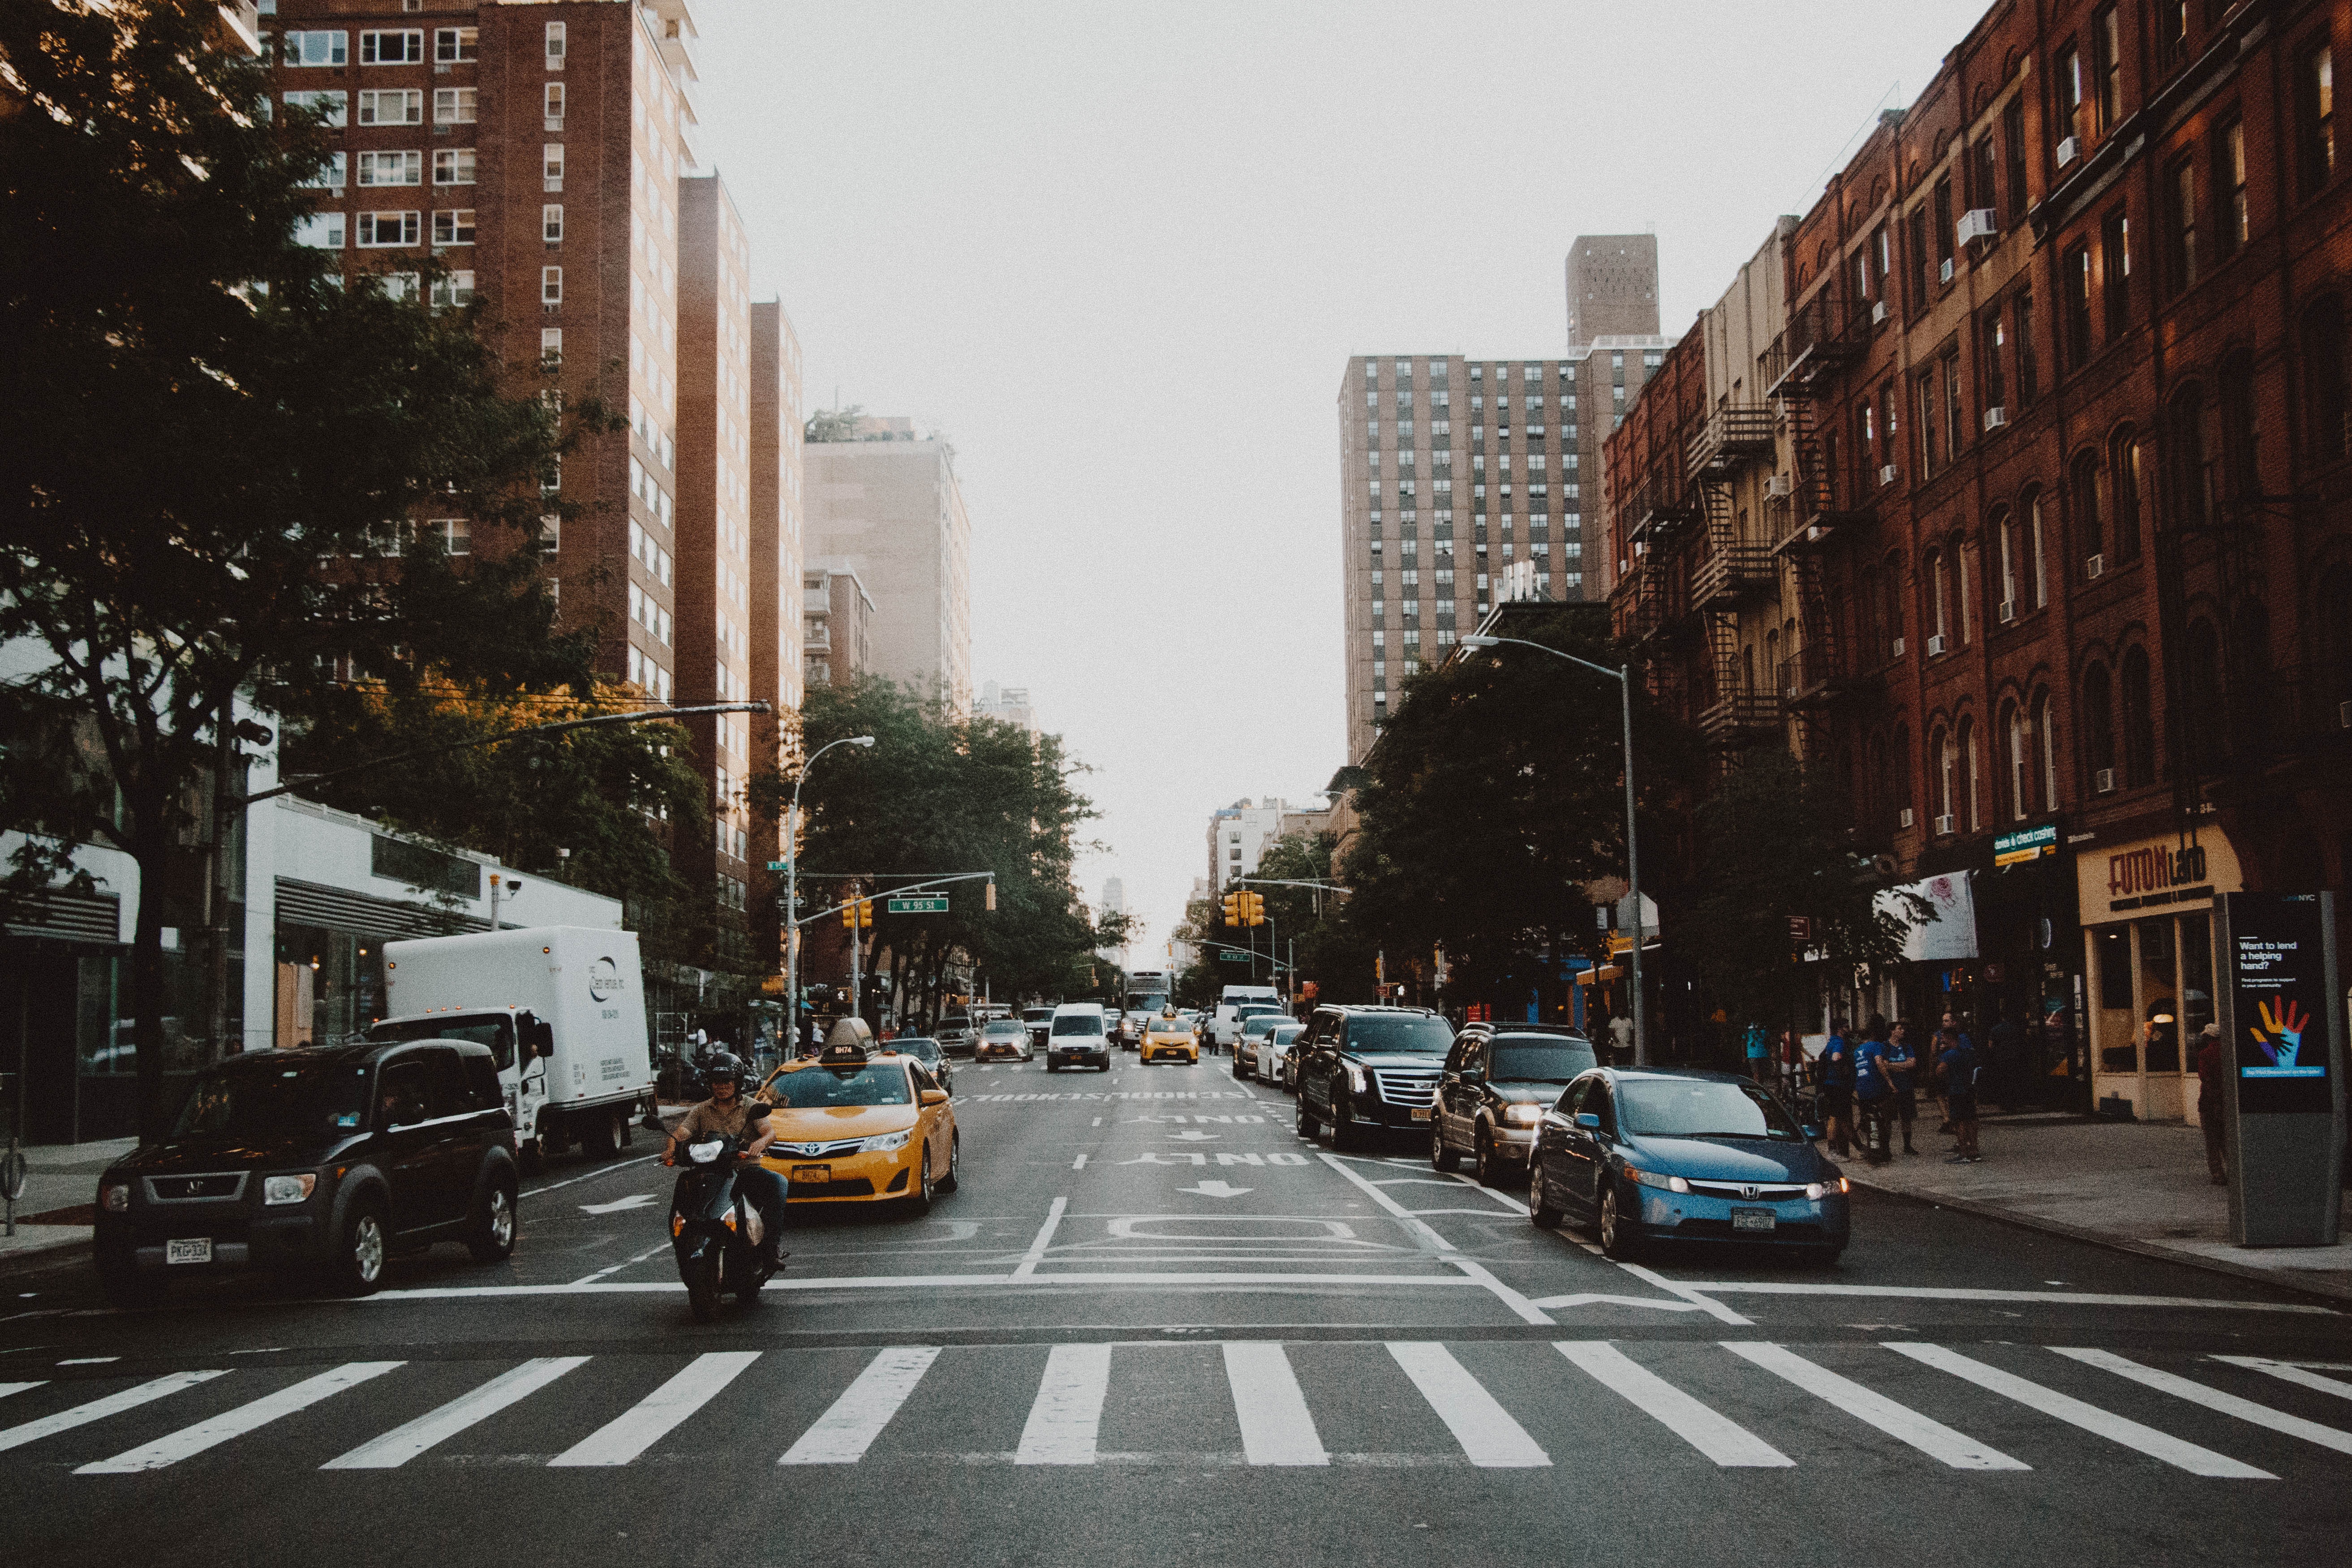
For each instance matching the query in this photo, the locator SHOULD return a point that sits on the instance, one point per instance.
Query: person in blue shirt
(1759, 1051)
(1950, 1025)
(1873, 1094)
(1956, 1068)
(1903, 1068)
(1833, 1081)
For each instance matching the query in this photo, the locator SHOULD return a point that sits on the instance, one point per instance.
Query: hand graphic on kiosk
(2287, 1023)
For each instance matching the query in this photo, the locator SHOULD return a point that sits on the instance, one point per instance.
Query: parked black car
(1370, 1070)
(1499, 1080)
(926, 1051)
(324, 1160)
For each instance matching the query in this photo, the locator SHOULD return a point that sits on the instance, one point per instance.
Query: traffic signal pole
(857, 941)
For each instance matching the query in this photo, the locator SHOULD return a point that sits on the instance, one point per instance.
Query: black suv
(1364, 1070)
(327, 1159)
(1499, 1079)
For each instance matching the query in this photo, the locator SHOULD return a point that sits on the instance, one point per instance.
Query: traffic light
(1252, 909)
(860, 913)
(1234, 909)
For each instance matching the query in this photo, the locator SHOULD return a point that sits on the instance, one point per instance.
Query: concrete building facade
(1007, 704)
(887, 507)
(837, 624)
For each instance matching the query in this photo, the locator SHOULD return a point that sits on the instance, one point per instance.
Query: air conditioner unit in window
(1898, 648)
(2008, 611)
(1944, 824)
(1996, 417)
(1780, 486)
(2069, 149)
(1906, 818)
(1887, 475)
(1935, 646)
(2093, 567)
(1977, 223)
(1943, 270)
(2102, 780)
(1877, 311)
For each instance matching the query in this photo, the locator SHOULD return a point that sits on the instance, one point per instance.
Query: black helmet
(724, 1065)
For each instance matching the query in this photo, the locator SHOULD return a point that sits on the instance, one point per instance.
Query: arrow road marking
(634, 1201)
(1194, 1135)
(1215, 1190)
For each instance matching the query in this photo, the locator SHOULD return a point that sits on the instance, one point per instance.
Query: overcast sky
(1120, 253)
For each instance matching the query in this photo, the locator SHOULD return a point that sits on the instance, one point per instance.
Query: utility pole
(857, 941)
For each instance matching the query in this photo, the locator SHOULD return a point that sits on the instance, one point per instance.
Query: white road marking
(2302, 1377)
(2213, 1398)
(1404, 1215)
(1932, 1438)
(1529, 1312)
(404, 1443)
(1216, 1189)
(1691, 1293)
(1079, 1163)
(8, 1388)
(1276, 1426)
(844, 1433)
(635, 1430)
(1488, 1435)
(1717, 1436)
(98, 1409)
(1036, 1253)
(624, 1263)
(90, 1360)
(1594, 1298)
(634, 1201)
(236, 1422)
(1484, 1190)
(1960, 1293)
(576, 1181)
(2100, 1423)
(1068, 1411)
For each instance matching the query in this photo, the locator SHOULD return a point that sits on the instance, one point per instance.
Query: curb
(42, 1249)
(2279, 1279)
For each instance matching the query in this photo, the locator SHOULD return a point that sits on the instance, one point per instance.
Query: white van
(1077, 1036)
(561, 1007)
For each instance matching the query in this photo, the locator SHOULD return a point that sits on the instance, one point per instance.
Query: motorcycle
(715, 1231)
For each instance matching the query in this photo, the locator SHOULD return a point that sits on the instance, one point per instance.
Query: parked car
(1267, 1061)
(1038, 1021)
(1001, 1040)
(1256, 1029)
(956, 1034)
(1369, 1071)
(323, 1161)
(1499, 1080)
(926, 1050)
(1679, 1154)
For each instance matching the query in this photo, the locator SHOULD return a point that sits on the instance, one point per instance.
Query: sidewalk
(60, 1183)
(2138, 1186)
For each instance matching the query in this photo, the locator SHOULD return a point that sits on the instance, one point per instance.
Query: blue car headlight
(1820, 1190)
(1657, 1179)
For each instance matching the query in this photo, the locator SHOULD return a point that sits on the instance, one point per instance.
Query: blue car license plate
(1754, 1219)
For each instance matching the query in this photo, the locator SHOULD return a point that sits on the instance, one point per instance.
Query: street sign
(1230, 956)
(1801, 929)
(775, 865)
(920, 904)
(2026, 844)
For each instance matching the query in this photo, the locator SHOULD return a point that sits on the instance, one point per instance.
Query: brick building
(2062, 507)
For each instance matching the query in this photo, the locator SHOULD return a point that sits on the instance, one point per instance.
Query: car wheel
(126, 1286)
(1347, 1137)
(1052, 1066)
(492, 1239)
(918, 1202)
(702, 1286)
(1440, 1158)
(1240, 1071)
(1540, 1209)
(357, 1266)
(954, 1177)
(1617, 1237)
(1489, 1168)
(1308, 1126)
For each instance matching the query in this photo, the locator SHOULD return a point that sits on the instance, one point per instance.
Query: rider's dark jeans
(766, 1191)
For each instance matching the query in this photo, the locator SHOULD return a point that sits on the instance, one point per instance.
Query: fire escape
(1734, 571)
(1661, 508)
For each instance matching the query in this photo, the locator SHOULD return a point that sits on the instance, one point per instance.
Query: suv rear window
(1378, 1032)
(1540, 1058)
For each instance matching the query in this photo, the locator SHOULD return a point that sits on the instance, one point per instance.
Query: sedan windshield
(1431, 1036)
(1078, 1024)
(1540, 1058)
(812, 1088)
(1004, 1031)
(277, 1099)
(1686, 1108)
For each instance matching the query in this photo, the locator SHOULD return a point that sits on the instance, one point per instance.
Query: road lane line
(1036, 1253)
(1484, 1190)
(98, 1409)
(1079, 1163)
(624, 1263)
(1068, 1411)
(1963, 1293)
(1717, 1436)
(844, 1433)
(236, 1422)
(8, 1388)
(2301, 1377)
(1276, 1426)
(2063, 1407)
(1390, 1203)
(1488, 1435)
(2213, 1398)
(576, 1181)
(1691, 1293)
(1932, 1438)
(642, 1425)
(404, 1443)
(1529, 1312)
(1597, 1299)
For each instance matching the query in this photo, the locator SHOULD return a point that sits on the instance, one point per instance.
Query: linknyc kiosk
(2281, 1009)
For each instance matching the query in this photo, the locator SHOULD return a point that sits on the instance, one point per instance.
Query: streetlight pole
(792, 896)
(1624, 680)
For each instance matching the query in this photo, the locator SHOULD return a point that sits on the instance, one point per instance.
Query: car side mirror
(1589, 1121)
(935, 1097)
(1811, 1131)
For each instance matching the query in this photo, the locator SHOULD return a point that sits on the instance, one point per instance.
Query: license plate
(1421, 1114)
(812, 1172)
(1754, 1219)
(197, 1251)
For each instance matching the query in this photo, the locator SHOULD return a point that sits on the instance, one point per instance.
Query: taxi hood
(827, 1123)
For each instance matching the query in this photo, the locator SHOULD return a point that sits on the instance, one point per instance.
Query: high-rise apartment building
(887, 507)
(1009, 704)
(837, 624)
(778, 675)
(1612, 287)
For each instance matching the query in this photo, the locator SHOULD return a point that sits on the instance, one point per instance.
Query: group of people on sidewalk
(1869, 1089)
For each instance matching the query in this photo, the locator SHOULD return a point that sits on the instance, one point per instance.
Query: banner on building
(1948, 934)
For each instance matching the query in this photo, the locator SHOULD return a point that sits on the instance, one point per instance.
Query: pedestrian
(1903, 1068)
(1759, 1044)
(1834, 1085)
(2211, 1114)
(1955, 1067)
(1950, 1025)
(1874, 1091)
(1621, 1038)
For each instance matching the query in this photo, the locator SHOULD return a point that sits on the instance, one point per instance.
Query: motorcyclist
(729, 1114)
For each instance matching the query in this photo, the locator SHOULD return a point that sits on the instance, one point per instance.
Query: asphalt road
(1157, 1327)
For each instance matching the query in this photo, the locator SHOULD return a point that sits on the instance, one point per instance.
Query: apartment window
(456, 533)
(2107, 46)
(399, 47)
(385, 230)
(454, 105)
(392, 106)
(2037, 578)
(1955, 427)
(2315, 117)
(1929, 459)
(551, 532)
(2124, 490)
(1944, 234)
(1920, 293)
(2004, 532)
(552, 165)
(2241, 430)
(2114, 271)
(452, 226)
(550, 223)
(332, 173)
(391, 168)
(1992, 338)
(554, 106)
(313, 48)
(550, 284)
(2069, 92)
(2074, 326)
(454, 166)
(2139, 722)
(2230, 170)
(2171, 32)
(2099, 723)
(455, 46)
(2084, 483)
(2180, 222)
(1961, 584)
(555, 46)
(550, 345)
(2321, 335)
(321, 231)
(2012, 139)
(453, 291)
(2018, 744)
(332, 108)
(2028, 369)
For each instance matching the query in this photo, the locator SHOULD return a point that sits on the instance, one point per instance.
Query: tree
(203, 435)
(832, 424)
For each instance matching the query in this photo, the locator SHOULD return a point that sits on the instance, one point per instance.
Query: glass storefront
(2149, 941)
(330, 985)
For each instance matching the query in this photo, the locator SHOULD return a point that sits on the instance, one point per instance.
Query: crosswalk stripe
(1717, 1436)
(98, 1409)
(8, 1388)
(1276, 1426)
(2101, 1423)
(1488, 1435)
(2213, 1398)
(188, 1441)
(645, 1423)
(1932, 1438)
(844, 1433)
(2301, 1376)
(1068, 1408)
(404, 1443)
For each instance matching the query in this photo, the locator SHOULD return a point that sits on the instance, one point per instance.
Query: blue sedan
(1645, 1154)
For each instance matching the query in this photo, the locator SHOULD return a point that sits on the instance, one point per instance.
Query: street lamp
(1624, 680)
(792, 896)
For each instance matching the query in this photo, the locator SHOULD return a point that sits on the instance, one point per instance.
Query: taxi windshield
(1171, 1026)
(814, 1087)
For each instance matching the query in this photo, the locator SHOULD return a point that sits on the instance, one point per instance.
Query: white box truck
(1225, 1026)
(562, 1008)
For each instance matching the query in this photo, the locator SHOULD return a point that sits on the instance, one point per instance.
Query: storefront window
(2196, 974)
(330, 985)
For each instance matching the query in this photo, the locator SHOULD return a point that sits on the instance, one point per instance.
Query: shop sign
(2026, 844)
(2155, 872)
(2278, 984)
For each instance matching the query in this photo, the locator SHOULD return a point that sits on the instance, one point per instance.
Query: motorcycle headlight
(882, 1143)
(704, 1154)
(1523, 1115)
(116, 1199)
(288, 1189)
(1355, 1078)
(1820, 1190)
(1658, 1179)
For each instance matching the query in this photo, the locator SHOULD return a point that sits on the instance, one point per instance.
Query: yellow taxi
(1169, 1039)
(861, 1124)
